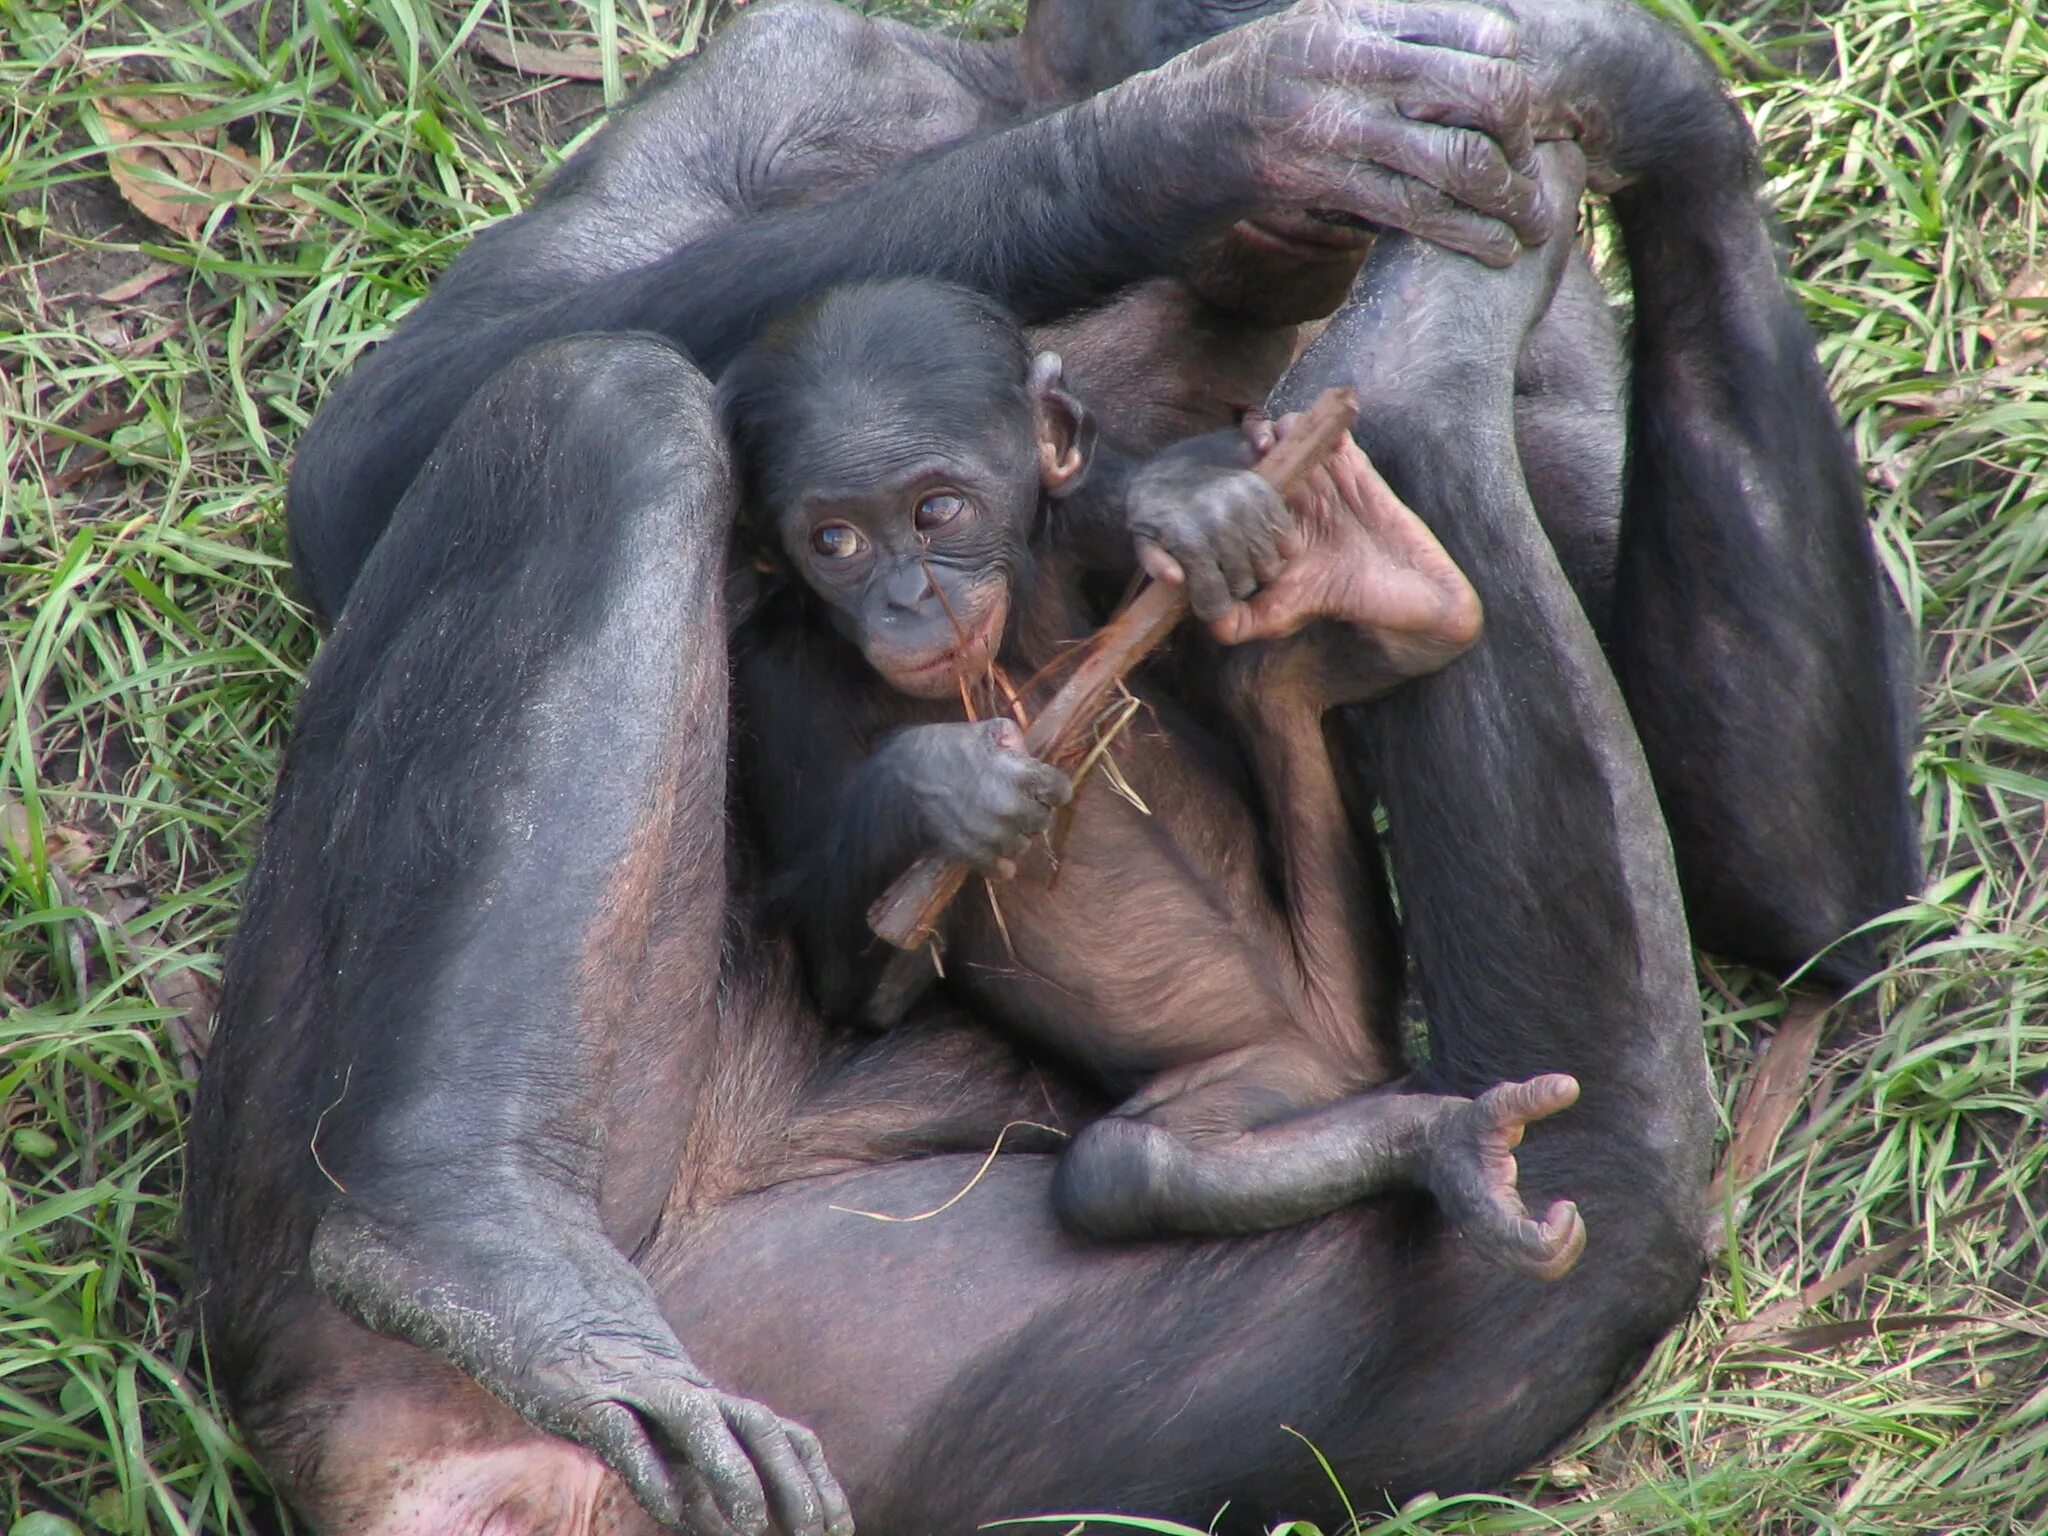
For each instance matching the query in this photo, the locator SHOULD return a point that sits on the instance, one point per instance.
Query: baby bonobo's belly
(1140, 933)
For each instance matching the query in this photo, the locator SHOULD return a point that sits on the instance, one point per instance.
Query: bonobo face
(895, 440)
(915, 544)
(1078, 47)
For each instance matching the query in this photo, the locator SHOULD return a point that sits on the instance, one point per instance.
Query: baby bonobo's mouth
(938, 675)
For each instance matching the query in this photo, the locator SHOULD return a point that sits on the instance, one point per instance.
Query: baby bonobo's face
(915, 543)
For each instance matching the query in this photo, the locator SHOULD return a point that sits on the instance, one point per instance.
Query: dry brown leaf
(68, 848)
(174, 177)
(532, 59)
(1772, 1096)
(137, 285)
(191, 998)
(2017, 326)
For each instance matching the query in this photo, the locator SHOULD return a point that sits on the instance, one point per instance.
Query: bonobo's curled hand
(1412, 116)
(976, 794)
(1203, 518)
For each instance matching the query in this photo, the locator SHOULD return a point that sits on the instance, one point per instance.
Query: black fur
(509, 1069)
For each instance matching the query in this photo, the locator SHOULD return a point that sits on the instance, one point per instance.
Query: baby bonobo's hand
(978, 796)
(1357, 554)
(1204, 519)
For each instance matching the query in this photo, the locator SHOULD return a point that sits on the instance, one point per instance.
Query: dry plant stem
(906, 914)
(1773, 1095)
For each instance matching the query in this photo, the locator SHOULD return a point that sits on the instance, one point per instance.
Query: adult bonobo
(514, 1098)
(929, 501)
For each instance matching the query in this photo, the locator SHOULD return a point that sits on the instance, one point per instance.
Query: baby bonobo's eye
(836, 541)
(937, 510)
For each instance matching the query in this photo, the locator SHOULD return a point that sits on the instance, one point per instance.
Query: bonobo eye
(937, 510)
(836, 541)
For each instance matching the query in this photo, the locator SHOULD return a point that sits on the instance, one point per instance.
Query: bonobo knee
(1107, 1184)
(617, 405)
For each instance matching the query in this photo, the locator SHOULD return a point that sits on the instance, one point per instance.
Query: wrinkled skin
(521, 1171)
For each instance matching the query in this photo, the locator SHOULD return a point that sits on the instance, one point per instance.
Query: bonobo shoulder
(793, 38)
(851, 96)
(799, 24)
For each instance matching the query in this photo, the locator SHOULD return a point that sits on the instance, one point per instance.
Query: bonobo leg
(1200, 1153)
(1571, 390)
(1757, 649)
(497, 872)
(1442, 370)
(983, 1367)
(1753, 637)
(1247, 1141)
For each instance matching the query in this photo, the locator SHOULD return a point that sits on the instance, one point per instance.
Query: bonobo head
(895, 440)
(1074, 48)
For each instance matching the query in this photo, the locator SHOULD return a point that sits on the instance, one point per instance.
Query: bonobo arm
(1335, 104)
(838, 822)
(498, 1102)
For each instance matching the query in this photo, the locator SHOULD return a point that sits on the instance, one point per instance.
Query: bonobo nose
(908, 588)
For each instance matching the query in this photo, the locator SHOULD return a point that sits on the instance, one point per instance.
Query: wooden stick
(907, 913)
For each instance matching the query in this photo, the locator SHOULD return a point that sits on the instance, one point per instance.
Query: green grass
(152, 653)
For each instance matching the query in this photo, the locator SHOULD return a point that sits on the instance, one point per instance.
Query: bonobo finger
(1421, 210)
(1159, 565)
(1047, 785)
(697, 1424)
(1470, 28)
(792, 1498)
(1514, 1105)
(838, 1513)
(1208, 594)
(1267, 560)
(1472, 169)
(616, 1434)
(1546, 1249)
(1234, 563)
(1263, 529)
(1490, 95)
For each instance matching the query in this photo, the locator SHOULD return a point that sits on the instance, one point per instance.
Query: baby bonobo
(935, 516)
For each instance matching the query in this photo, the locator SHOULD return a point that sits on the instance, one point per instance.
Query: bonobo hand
(1413, 116)
(976, 794)
(542, 1310)
(1203, 518)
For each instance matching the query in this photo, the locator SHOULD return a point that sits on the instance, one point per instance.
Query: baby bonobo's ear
(1065, 430)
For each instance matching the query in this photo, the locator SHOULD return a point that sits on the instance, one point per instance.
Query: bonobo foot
(576, 1344)
(1359, 557)
(1471, 1170)
(1173, 1165)
(1430, 339)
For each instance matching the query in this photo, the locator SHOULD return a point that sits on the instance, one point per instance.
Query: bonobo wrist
(1163, 157)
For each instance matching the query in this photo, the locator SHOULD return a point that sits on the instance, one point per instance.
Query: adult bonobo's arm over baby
(713, 204)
